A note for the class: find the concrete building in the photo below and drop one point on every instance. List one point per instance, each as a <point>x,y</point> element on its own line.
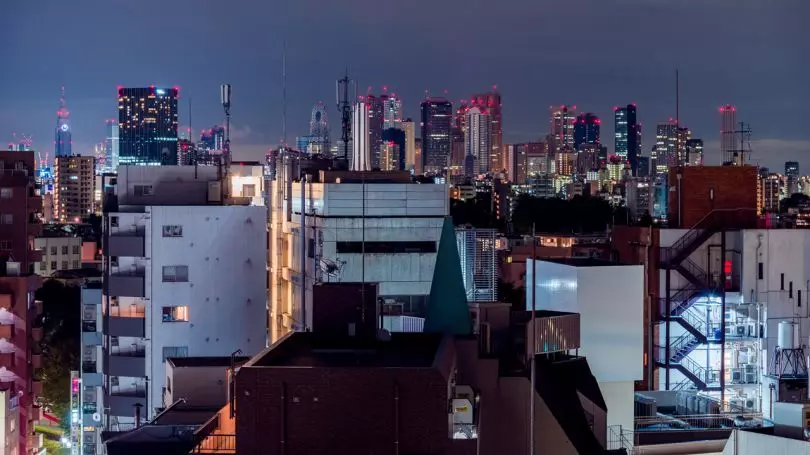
<point>611,322</point>
<point>361,145</point>
<point>60,251</point>
<point>398,234</point>
<point>74,188</point>
<point>178,263</point>
<point>477,249</point>
<point>639,197</point>
<point>410,144</point>
<point>20,206</point>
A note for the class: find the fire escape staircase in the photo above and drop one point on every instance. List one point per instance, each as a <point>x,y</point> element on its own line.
<point>699,284</point>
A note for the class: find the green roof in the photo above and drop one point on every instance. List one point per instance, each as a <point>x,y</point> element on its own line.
<point>447,310</point>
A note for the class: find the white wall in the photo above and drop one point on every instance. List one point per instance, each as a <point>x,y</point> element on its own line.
<point>224,248</point>
<point>609,300</point>
<point>748,443</point>
<point>72,259</point>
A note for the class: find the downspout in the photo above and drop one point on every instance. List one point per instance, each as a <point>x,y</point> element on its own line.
<point>396,419</point>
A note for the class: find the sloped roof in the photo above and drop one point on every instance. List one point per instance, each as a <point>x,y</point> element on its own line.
<point>447,310</point>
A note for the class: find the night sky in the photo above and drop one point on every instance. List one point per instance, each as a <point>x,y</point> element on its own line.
<point>592,53</point>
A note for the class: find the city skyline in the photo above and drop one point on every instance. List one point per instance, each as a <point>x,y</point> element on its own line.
<point>768,83</point>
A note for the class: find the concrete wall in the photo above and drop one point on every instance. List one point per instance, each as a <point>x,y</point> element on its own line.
<point>53,258</point>
<point>224,249</point>
<point>747,443</point>
<point>199,385</point>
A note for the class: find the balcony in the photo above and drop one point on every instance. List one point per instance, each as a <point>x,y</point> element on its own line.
<point>125,326</point>
<point>36,360</point>
<point>127,284</point>
<point>129,244</point>
<point>128,363</point>
<point>36,387</point>
<point>123,403</point>
<point>36,334</point>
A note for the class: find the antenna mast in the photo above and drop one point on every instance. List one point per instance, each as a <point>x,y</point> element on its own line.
<point>225,161</point>
<point>284,95</point>
<point>344,106</point>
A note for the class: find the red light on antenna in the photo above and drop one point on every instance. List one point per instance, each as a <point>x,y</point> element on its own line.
<point>615,108</point>
<point>385,88</point>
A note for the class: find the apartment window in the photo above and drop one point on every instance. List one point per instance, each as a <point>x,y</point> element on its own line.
<point>77,249</point>
<point>143,190</point>
<point>43,266</point>
<point>760,271</point>
<point>175,314</point>
<point>6,193</point>
<point>249,190</point>
<point>172,230</point>
<point>113,221</point>
<point>175,351</point>
<point>64,265</point>
<point>64,249</point>
<point>386,247</point>
<point>53,251</point>
<point>53,265</point>
<point>169,384</point>
<point>175,273</point>
<point>75,265</point>
<point>8,218</point>
<point>5,244</point>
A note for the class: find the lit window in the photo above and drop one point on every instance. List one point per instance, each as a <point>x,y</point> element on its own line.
<point>6,193</point>
<point>175,314</point>
<point>5,244</point>
<point>172,230</point>
<point>8,218</point>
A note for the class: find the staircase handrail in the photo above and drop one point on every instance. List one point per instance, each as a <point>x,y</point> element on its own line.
<point>696,320</point>
<point>709,221</point>
<point>695,368</point>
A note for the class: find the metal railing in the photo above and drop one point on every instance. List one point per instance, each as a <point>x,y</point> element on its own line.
<point>695,368</point>
<point>696,320</point>
<point>620,438</point>
<point>701,422</point>
<point>217,443</point>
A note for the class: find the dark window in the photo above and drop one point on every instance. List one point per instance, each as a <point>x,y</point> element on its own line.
<point>386,247</point>
<point>113,221</point>
<point>64,249</point>
<point>175,273</point>
<point>53,251</point>
<point>311,249</point>
<point>172,230</point>
<point>761,271</point>
<point>781,281</point>
<point>143,190</point>
<point>76,249</point>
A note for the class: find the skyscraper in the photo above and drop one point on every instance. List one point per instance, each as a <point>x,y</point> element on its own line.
<point>111,147</point>
<point>586,130</point>
<point>147,118</point>
<point>360,138</point>
<point>74,186</point>
<point>478,142</point>
<point>63,144</point>
<point>392,111</point>
<point>792,175</point>
<point>491,104</point>
<point>694,152</point>
<point>684,136</point>
<point>665,153</point>
<point>728,124</point>
<point>437,119</point>
<point>410,143</point>
<point>319,130</point>
<point>627,135</point>
<point>374,104</point>
<point>562,127</point>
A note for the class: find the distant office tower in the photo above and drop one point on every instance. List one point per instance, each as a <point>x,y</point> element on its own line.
<point>792,175</point>
<point>460,119</point>
<point>491,104</point>
<point>437,118</point>
<point>360,138</point>
<point>684,136</point>
<point>111,147</point>
<point>643,166</point>
<point>665,153</point>
<point>392,156</point>
<point>562,127</point>
<point>565,162</point>
<point>186,152</point>
<point>478,256</point>
<point>627,134</point>
<point>660,197</point>
<point>728,126</point>
<point>213,139</point>
<point>419,165</point>
<point>639,197</point>
<point>374,104</point>
<point>478,141</point>
<point>694,152</point>
<point>586,130</point>
<point>410,143</point>
<point>588,158</point>
<point>458,155</point>
<point>73,188</point>
<point>318,131</point>
<point>63,143</point>
<point>392,111</point>
<point>771,192</point>
<point>147,118</point>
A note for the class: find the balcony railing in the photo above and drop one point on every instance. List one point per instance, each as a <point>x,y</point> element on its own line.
<point>217,443</point>
<point>701,422</point>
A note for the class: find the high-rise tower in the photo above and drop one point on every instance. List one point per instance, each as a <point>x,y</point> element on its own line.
<point>478,142</point>
<point>392,111</point>
<point>375,128</point>
<point>665,153</point>
<point>62,138</point>
<point>147,119</point>
<point>491,104</point>
<point>586,130</point>
<point>319,130</point>
<point>437,119</point>
<point>627,142</point>
<point>562,127</point>
<point>728,127</point>
<point>360,138</point>
<point>111,147</point>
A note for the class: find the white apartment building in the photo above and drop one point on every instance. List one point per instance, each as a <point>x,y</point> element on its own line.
<point>58,253</point>
<point>184,276</point>
<point>399,235</point>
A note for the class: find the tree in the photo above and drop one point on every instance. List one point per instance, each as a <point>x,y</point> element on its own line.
<point>795,200</point>
<point>60,345</point>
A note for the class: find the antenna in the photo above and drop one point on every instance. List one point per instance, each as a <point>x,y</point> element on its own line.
<point>284,94</point>
<point>344,106</point>
<point>225,97</point>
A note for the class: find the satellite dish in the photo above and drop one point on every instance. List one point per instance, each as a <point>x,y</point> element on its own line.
<point>96,417</point>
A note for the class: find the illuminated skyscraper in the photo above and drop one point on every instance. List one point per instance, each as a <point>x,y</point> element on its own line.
<point>360,138</point>
<point>437,119</point>
<point>684,136</point>
<point>478,142</point>
<point>147,119</point>
<point>491,104</point>
<point>111,147</point>
<point>392,111</point>
<point>562,127</point>
<point>586,130</point>
<point>63,144</point>
<point>374,104</point>
<point>792,175</point>
<point>410,143</point>
<point>627,135</point>
<point>665,154</point>
<point>318,131</point>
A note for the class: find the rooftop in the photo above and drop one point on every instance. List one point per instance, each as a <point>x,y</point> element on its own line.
<point>223,361</point>
<point>302,349</point>
<point>582,262</point>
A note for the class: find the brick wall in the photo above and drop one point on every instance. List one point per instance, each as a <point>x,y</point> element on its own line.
<point>707,188</point>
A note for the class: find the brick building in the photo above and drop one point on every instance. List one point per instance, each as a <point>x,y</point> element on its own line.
<point>696,191</point>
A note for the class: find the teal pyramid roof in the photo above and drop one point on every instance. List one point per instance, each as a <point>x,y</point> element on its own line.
<point>447,310</point>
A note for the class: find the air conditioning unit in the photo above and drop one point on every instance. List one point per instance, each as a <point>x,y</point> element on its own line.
<point>741,330</point>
